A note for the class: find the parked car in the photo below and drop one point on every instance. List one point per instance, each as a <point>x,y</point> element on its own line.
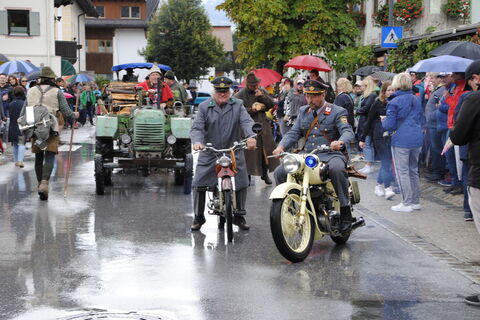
<point>201,96</point>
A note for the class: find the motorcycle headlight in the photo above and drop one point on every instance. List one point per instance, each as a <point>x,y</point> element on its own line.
<point>312,161</point>
<point>224,161</point>
<point>291,164</point>
<point>126,139</point>
<point>171,139</point>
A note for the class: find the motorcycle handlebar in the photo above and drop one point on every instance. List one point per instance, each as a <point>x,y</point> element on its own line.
<point>237,145</point>
<point>323,148</point>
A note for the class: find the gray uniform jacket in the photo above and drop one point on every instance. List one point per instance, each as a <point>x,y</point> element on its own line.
<point>334,125</point>
<point>220,126</point>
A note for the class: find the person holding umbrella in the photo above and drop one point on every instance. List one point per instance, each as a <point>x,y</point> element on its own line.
<point>257,101</point>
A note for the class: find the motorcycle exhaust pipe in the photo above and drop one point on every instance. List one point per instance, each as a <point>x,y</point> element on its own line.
<point>360,222</point>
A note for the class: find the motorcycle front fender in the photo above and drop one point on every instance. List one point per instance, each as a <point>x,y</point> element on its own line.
<point>282,190</point>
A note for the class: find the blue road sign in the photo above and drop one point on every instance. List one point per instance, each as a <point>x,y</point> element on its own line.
<point>390,36</point>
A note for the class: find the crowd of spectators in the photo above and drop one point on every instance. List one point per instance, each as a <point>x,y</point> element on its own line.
<point>404,124</point>
<point>85,97</point>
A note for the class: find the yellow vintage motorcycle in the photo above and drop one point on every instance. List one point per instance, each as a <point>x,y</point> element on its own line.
<point>306,207</point>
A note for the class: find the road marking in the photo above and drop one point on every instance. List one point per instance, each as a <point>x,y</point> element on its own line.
<point>66,148</point>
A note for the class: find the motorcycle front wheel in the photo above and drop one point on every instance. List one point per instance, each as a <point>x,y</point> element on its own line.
<point>292,235</point>
<point>227,196</point>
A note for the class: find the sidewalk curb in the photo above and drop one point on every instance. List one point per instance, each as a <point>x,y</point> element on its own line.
<point>469,269</point>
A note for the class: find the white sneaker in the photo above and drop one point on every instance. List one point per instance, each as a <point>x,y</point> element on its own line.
<point>366,170</point>
<point>402,208</point>
<point>379,190</point>
<point>416,206</point>
<point>389,193</point>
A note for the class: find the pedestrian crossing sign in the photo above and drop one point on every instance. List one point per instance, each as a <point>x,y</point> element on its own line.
<point>390,36</point>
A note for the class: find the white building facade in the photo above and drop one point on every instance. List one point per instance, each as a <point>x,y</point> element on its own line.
<point>27,32</point>
<point>126,46</point>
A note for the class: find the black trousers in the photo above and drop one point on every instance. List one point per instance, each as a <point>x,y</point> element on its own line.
<point>200,197</point>
<point>336,173</point>
<point>44,164</point>
<point>90,112</point>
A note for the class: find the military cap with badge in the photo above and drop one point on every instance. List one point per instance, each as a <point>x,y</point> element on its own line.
<point>314,87</point>
<point>222,84</point>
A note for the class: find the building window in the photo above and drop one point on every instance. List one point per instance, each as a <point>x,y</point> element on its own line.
<point>100,11</point>
<point>357,7</point>
<point>130,12</point>
<point>375,6</point>
<point>18,22</point>
<point>105,46</point>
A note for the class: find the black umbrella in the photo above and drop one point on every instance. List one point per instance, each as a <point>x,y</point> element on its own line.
<point>463,49</point>
<point>366,71</point>
<point>383,75</point>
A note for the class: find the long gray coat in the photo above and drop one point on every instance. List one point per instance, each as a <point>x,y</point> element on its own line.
<point>265,143</point>
<point>220,126</point>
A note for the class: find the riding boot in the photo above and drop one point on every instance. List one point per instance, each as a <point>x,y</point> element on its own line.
<point>199,209</point>
<point>239,218</point>
<point>265,176</point>
<point>43,190</point>
<point>345,219</point>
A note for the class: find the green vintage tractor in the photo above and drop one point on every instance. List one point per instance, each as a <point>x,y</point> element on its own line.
<point>143,137</point>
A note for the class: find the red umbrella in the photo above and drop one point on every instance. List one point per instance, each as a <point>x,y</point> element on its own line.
<point>308,63</point>
<point>266,77</point>
<point>67,95</point>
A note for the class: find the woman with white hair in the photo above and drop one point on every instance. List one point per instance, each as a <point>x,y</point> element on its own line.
<point>405,120</point>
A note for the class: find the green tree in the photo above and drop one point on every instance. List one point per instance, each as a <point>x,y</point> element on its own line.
<point>351,58</point>
<point>408,54</point>
<point>180,35</point>
<point>277,30</point>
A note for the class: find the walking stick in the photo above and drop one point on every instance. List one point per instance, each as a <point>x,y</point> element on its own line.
<point>69,161</point>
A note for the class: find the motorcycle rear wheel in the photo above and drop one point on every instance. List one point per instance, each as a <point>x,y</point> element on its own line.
<point>293,240</point>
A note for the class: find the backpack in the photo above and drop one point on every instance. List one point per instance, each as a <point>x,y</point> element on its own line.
<point>36,121</point>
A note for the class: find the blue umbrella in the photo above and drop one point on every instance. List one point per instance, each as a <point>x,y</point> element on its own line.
<point>18,66</point>
<point>442,64</point>
<point>80,78</point>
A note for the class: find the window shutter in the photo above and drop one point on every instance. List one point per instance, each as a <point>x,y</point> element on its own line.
<point>34,23</point>
<point>3,22</point>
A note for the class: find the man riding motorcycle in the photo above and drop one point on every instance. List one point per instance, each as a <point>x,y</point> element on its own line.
<point>218,121</point>
<point>322,123</point>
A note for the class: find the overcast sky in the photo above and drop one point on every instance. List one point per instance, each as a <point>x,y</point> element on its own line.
<point>217,18</point>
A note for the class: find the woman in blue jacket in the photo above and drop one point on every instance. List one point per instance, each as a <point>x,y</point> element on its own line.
<point>405,121</point>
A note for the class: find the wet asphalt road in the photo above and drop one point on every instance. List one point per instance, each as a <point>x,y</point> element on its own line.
<point>132,250</point>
